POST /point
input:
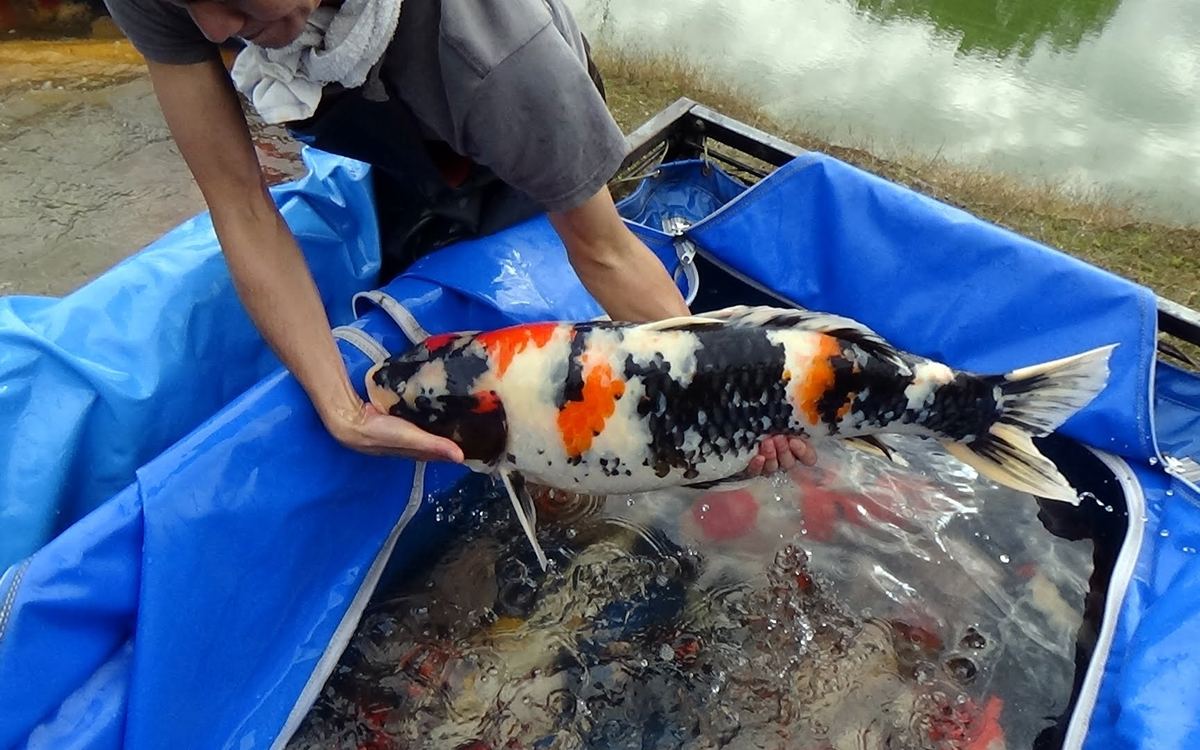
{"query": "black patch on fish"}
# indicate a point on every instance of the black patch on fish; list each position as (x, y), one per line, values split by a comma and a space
(463, 367)
(572, 378)
(479, 428)
(883, 377)
(735, 367)
(611, 467)
(845, 383)
(966, 406)
(573, 382)
(882, 380)
(963, 407)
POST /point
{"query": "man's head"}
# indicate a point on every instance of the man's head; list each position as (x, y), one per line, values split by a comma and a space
(267, 23)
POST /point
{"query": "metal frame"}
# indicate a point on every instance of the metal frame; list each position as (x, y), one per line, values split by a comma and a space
(683, 129)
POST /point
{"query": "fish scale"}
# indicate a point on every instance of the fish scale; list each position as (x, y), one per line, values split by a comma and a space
(722, 404)
(604, 408)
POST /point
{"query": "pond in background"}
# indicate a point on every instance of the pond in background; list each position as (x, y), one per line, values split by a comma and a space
(1096, 96)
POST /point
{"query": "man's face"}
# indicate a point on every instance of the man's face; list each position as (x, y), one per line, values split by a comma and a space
(267, 23)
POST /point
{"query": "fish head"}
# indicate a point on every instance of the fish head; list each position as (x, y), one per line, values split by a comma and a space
(438, 385)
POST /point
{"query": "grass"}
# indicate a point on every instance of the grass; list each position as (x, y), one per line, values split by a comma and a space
(1160, 256)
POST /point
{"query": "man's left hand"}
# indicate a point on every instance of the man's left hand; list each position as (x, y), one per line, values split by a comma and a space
(780, 453)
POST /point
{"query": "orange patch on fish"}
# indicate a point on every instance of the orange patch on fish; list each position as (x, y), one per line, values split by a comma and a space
(845, 408)
(486, 401)
(579, 422)
(504, 344)
(437, 341)
(816, 379)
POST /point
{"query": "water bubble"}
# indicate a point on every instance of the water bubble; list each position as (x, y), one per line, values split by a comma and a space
(1005, 559)
(962, 669)
(973, 639)
(704, 508)
(1164, 533)
(629, 502)
(1189, 550)
(1153, 461)
(1170, 493)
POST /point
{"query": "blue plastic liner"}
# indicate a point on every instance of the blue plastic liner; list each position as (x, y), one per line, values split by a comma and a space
(937, 281)
(205, 602)
(97, 383)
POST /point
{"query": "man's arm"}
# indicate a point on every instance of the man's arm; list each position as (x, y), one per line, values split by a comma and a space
(268, 270)
(631, 284)
(616, 267)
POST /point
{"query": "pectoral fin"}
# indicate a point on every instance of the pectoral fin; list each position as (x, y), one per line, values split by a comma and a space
(876, 447)
(524, 508)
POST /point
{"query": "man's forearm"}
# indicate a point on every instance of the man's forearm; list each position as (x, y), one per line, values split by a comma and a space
(630, 283)
(278, 292)
(616, 267)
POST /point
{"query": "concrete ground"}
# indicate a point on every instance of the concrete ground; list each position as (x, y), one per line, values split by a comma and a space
(88, 171)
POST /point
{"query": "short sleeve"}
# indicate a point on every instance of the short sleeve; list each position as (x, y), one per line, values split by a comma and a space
(161, 32)
(539, 123)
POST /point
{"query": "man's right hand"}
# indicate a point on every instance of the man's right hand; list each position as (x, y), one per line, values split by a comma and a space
(267, 268)
(364, 428)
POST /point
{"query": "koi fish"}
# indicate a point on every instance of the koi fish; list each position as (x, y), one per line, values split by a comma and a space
(611, 408)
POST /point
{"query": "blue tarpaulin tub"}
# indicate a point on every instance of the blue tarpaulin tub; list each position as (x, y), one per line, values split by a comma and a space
(187, 552)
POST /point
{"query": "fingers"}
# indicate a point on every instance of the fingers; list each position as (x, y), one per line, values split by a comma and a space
(781, 453)
(755, 467)
(395, 436)
(803, 451)
(770, 455)
(783, 449)
(379, 434)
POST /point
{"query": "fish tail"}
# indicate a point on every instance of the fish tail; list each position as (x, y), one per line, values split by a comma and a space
(1033, 402)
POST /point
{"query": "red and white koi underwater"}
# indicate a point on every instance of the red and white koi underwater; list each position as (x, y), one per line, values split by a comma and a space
(612, 408)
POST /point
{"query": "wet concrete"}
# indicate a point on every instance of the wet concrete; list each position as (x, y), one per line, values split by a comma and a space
(88, 171)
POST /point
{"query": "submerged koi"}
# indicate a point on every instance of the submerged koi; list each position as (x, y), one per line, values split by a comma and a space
(607, 408)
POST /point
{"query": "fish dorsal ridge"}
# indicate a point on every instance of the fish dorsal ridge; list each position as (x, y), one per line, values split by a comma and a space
(799, 319)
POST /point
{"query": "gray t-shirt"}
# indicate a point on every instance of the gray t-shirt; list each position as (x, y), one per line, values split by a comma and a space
(503, 82)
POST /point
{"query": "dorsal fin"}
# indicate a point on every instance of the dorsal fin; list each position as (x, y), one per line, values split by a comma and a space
(681, 323)
(851, 330)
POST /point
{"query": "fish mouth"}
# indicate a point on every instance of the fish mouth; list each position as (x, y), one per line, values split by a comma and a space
(383, 399)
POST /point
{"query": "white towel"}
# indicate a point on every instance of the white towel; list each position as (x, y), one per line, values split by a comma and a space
(337, 45)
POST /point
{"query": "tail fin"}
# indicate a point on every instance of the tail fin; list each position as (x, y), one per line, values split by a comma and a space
(1035, 401)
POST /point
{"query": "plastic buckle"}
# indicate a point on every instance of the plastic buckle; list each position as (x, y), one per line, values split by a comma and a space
(685, 251)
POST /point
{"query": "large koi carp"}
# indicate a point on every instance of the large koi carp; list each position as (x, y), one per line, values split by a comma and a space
(608, 408)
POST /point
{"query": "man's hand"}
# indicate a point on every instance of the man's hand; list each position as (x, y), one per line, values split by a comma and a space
(780, 453)
(368, 430)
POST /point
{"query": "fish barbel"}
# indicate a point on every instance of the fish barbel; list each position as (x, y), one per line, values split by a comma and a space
(611, 408)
